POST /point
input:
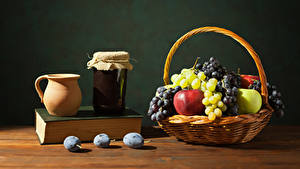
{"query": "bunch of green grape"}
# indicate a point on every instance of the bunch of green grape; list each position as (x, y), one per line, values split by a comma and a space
(188, 79)
(212, 100)
(185, 79)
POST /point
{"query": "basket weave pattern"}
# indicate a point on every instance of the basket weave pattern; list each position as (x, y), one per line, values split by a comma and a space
(226, 130)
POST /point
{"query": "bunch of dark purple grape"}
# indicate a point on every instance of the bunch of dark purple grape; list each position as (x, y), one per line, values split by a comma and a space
(275, 99)
(212, 69)
(161, 106)
(230, 84)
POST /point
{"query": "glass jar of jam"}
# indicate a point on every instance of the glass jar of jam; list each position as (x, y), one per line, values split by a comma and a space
(110, 80)
(109, 90)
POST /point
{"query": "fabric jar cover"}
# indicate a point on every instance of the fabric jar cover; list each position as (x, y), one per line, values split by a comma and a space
(110, 60)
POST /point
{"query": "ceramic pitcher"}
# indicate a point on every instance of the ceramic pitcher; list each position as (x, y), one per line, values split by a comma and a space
(62, 96)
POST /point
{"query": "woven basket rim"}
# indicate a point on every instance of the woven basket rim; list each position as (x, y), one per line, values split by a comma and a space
(243, 118)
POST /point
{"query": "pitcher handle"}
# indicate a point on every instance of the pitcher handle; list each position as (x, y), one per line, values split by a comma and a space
(38, 88)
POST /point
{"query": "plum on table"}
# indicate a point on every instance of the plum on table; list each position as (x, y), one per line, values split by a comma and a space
(102, 140)
(133, 140)
(72, 143)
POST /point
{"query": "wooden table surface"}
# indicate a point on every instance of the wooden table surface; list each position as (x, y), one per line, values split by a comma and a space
(275, 147)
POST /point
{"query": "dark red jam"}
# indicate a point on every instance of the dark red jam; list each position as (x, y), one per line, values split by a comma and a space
(109, 90)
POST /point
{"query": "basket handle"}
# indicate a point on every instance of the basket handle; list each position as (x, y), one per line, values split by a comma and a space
(262, 75)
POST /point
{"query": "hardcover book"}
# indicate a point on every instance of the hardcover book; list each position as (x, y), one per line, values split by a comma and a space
(85, 125)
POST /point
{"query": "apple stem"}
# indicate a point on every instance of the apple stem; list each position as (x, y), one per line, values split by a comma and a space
(195, 63)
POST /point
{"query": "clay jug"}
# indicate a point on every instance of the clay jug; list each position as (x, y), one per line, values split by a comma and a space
(62, 95)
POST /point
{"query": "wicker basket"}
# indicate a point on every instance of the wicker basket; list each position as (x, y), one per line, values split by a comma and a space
(226, 130)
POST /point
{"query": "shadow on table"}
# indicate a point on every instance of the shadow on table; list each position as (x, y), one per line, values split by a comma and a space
(264, 145)
(14, 127)
(147, 148)
(112, 147)
(83, 150)
(153, 132)
(271, 140)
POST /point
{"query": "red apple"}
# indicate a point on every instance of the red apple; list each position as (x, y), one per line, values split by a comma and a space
(189, 102)
(247, 80)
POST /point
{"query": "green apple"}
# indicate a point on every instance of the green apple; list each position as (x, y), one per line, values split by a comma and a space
(249, 101)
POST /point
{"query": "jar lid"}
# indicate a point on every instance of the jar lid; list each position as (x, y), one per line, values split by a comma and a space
(110, 60)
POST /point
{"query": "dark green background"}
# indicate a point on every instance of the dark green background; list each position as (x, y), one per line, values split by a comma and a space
(41, 37)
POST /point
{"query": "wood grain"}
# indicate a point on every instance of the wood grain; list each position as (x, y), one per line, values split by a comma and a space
(276, 147)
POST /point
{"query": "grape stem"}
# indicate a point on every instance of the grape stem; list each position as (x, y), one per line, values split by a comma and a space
(195, 63)
(193, 68)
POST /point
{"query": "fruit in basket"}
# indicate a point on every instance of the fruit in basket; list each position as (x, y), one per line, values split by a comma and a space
(213, 69)
(196, 83)
(215, 105)
(224, 81)
(187, 79)
(249, 101)
(216, 79)
(161, 105)
(189, 102)
(212, 98)
(275, 98)
(230, 84)
(220, 89)
(162, 89)
(247, 80)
